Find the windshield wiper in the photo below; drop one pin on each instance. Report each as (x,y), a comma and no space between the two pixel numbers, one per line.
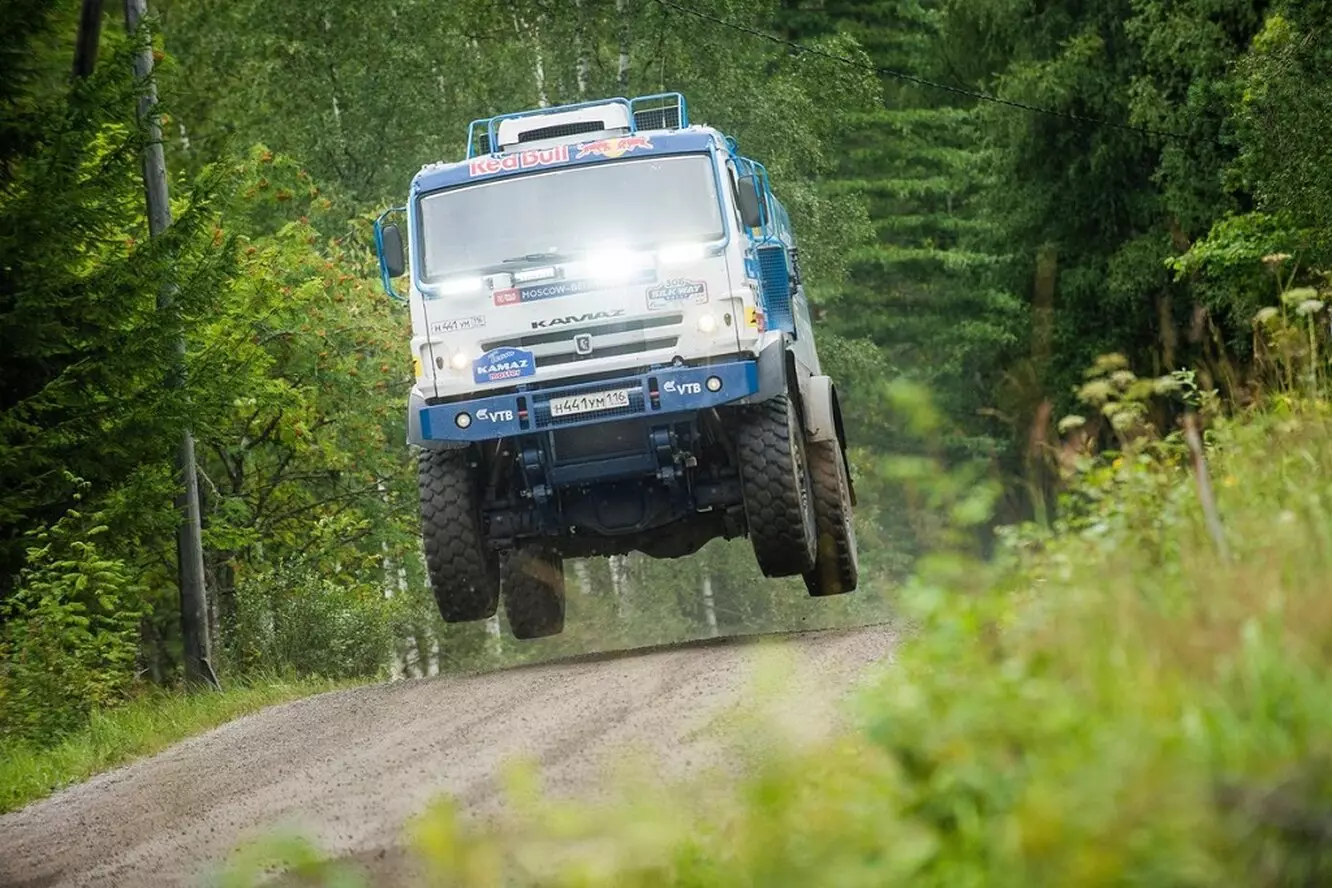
(547,256)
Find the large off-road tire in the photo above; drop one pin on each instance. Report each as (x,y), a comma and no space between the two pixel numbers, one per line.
(775,486)
(463,570)
(533,583)
(837,565)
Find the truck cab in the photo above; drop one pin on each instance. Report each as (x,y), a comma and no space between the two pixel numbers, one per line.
(610,335)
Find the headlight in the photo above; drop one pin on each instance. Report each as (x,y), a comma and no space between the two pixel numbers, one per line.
(527,275)
(707,323)
(676,254)
(459,361)
(613,264)
(459,286)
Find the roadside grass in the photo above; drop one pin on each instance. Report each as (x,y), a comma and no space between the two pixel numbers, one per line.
(143,726)
(1110,701)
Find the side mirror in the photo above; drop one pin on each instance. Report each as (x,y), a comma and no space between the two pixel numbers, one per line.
(749,202)
(391,253)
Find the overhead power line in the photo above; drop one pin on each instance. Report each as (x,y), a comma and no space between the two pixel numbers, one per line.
(911,78)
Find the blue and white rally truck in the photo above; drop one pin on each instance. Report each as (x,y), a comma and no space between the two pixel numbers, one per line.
(613,352)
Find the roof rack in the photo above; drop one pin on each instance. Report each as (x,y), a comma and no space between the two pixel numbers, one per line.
(652,112)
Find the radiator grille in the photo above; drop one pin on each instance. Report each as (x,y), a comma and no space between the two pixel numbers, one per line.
(775,279)
(592,442)
(553,348)
(562,129)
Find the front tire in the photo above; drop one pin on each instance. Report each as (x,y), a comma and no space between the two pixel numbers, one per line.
(533,581)
(463,570)
(775,487)
(837,566)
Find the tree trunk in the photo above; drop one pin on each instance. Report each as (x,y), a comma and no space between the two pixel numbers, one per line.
(90,33)
(582,576)
(532,36)
(709,605)
(582,65)
(619,581)
(622,27)
(189,534)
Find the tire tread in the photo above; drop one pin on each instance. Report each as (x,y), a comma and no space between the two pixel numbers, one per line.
(462,571)
(781,533)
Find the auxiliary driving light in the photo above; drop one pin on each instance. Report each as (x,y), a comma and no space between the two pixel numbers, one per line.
(462,420)
(678,254)
(459,361)
(459,286)
(707,323)
(713,383)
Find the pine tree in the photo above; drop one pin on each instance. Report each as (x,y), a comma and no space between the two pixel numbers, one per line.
(919,291)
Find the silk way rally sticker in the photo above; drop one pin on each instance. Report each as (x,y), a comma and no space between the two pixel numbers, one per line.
(504,363)
(675,291)
(453,325)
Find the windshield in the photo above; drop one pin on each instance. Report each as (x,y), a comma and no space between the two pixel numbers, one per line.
(645,202)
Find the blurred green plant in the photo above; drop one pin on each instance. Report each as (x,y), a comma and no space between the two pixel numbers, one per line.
(69,632)
(1105,702)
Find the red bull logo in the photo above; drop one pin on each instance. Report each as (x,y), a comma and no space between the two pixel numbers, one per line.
(519,160)
(613,147)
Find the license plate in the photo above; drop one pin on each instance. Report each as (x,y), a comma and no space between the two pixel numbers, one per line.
(570,405)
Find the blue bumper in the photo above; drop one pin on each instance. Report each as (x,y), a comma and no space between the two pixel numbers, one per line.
(657,393)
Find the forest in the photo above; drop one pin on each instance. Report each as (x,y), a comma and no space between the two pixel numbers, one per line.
(991,196)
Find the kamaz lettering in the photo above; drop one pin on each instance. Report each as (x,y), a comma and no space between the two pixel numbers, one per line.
(578,319)
(519,160)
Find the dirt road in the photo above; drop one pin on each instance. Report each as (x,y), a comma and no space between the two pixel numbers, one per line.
(347,769)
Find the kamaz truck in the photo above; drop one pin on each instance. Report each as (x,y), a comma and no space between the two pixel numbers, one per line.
(613,353)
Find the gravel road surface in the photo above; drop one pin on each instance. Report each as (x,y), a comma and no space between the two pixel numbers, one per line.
(347,769)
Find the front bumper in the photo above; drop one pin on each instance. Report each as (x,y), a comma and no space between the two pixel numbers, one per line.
(669,390)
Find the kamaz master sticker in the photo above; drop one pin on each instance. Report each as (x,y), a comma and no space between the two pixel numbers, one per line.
(453,325)
(537,292)
(675,291)
(503,363)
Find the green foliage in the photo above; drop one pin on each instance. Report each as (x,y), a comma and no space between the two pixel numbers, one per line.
(920,290)
(302,370)
(290,371)
(151,721)
(1285,104)
(85,355)
(69,635)
(304,621)
(1106,703)
(985,253)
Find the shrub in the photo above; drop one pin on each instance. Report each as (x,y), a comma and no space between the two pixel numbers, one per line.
(292,619)
(68,640)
